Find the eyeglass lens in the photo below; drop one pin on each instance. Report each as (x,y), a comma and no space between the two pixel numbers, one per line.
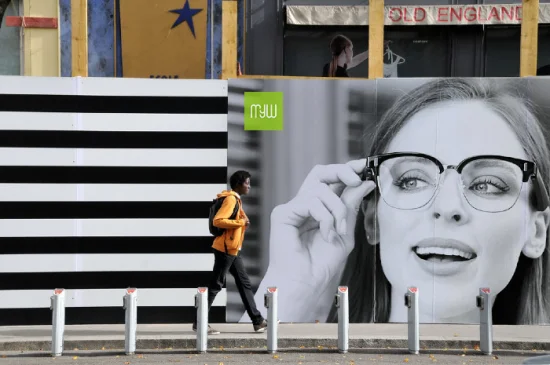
(410,182)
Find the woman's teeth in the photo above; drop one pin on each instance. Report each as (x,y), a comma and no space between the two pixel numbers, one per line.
(443,254)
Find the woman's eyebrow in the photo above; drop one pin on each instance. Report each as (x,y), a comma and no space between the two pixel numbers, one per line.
(495,163)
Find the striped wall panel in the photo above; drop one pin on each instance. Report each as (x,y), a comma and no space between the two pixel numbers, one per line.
(106,184)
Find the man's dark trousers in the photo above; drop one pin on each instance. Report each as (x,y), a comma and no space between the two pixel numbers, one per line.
(224,263)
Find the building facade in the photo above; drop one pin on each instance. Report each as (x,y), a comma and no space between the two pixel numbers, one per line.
(426,38)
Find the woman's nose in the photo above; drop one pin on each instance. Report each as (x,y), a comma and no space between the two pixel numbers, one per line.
(449,203)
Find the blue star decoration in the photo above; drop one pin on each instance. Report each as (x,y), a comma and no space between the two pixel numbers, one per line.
(186,14)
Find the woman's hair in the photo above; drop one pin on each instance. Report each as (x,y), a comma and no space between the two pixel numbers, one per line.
(526,298)
(337,45)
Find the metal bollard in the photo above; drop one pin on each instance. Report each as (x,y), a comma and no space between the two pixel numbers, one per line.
(342,303)
(201,303)
(58,321)
(270,302)
(483,302)
(411,302)
(129,303)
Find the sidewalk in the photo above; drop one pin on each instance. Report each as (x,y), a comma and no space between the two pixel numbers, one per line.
(235,336)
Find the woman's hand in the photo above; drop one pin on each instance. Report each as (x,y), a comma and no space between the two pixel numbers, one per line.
(311,238)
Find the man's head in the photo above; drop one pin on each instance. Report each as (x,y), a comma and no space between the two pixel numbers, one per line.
(240,182)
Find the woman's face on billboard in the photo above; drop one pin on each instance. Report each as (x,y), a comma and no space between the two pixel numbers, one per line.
(462,249)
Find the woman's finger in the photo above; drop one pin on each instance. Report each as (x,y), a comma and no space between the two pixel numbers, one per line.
(331,174)
(335,206)
(320,213)
(353,196)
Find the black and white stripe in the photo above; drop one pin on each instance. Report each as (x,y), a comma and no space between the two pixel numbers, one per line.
(106,184)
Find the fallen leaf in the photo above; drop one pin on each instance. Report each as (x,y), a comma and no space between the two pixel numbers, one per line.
(302,347)
(455,335)
(320,347)
(495,357)
(220,363)
(476,347)
(103,348)
(275,356)
(76,349)
(75,357)
(140,356)
(463,355)
(127,363)
(316,321)
(406,360)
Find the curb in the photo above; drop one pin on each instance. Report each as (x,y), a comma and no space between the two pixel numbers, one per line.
(282,344)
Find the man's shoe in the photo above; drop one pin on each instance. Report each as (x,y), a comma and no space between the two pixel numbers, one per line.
(210,331)
(261,326)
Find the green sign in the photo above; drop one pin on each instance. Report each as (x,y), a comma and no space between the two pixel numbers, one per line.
(263,111)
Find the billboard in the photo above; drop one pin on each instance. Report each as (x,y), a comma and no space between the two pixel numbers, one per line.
(379,185)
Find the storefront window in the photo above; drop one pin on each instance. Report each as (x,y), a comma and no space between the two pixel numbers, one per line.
(10,39)
(502,51)
(420,51)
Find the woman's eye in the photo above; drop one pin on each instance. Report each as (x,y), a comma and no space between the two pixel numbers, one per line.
(411,183)
(489,186)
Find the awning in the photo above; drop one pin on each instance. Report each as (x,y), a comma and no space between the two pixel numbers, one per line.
(342,15)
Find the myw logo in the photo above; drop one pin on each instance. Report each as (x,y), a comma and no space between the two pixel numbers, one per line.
(263,111)
(268,111)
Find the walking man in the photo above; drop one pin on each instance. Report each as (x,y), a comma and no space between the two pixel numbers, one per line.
(232,222)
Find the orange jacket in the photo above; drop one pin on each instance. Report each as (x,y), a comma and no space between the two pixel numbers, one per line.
(233,236)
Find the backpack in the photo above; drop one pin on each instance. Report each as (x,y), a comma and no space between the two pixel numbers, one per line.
(216,205)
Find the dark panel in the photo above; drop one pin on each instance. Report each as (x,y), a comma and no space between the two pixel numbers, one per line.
(104,280)
(107,315)
(419,51)
(113,104)
(112,175)
(106,210)
(108,245)
(95,139)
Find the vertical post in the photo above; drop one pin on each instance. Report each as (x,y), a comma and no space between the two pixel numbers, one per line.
(529,38)
(411,302)
(201,303)
(41,46)
(342,303)
(270,302)
(130,306)
(376,39)
(484,303)
(229,39)
(58,321)
(79,37)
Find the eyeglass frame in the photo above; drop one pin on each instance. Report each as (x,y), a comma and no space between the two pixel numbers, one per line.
(528,168)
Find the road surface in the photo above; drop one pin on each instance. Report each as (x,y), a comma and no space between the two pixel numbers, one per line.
(174,357)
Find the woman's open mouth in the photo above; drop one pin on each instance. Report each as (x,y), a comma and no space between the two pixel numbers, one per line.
(443,254)
(443,257)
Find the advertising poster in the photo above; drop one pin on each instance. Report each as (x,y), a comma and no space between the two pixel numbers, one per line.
(380,185)
(164,39)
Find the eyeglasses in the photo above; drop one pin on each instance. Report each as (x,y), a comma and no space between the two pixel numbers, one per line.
(489,183)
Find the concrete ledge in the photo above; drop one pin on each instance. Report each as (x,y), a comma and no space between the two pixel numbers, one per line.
(291,336)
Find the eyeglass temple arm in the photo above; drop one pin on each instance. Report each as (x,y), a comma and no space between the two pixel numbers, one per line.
(542,199)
